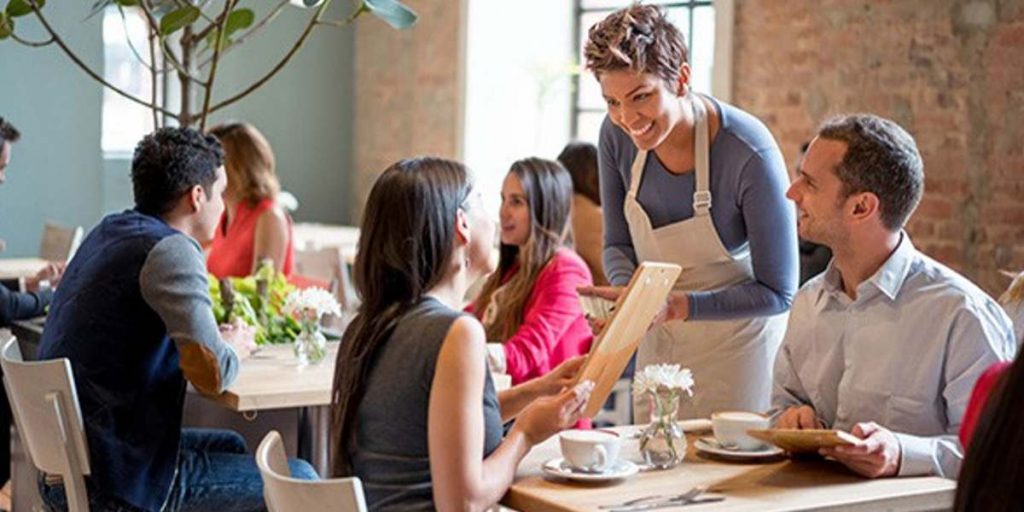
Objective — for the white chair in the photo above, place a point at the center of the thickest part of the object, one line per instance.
(59, 243)
(329, 264)
(286, 494)
(49, 421)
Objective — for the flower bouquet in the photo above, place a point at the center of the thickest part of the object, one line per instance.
(662, 442)
(308, 307)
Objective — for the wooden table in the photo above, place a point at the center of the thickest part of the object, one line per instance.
(779, 486)
(17, 268)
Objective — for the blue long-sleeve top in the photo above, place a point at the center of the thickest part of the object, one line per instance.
(748, 186)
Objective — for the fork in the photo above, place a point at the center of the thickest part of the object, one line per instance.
(686, 496)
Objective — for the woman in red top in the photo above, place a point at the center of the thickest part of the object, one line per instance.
(253, 227)
(529, 307)
(992, 476)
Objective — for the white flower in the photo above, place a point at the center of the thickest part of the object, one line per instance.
(663, 376)
(311, 302)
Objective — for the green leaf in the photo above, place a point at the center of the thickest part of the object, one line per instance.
(16, 8)
(178, 19)
(238, 19)
(6, 26)
(127, 3)
(393, 12)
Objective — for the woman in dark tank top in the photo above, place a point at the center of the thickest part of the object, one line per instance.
(414, 411)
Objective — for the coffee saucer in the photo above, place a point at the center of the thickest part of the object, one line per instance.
(709, 446)
(561, 469)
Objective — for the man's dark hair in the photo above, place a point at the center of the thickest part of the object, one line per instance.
(8, 133)
(881, 158)
(169, 162)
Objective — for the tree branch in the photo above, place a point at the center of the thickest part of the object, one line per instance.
(124, 23)
(164, 49)
(34, 44)
(74, 58)
(260, 25)
(153, 74)
(291, 53)
(219, 31)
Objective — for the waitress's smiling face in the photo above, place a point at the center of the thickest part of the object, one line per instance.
(643, 105)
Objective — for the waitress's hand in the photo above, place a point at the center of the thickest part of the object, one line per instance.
(611, 293)
(677, 307)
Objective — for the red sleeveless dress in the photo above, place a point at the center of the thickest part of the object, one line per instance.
(231, 252)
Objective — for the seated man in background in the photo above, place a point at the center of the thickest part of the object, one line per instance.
(133, 315)
(16, 306)
(887, 343)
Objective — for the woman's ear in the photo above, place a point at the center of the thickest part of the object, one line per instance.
(683, 83)
(462, 227)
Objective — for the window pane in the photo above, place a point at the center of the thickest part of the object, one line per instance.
(702, 54)
(589, 91)
(125, 122)
(589, 126)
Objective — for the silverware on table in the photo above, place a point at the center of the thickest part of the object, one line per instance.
(669, 504)
(693, 496)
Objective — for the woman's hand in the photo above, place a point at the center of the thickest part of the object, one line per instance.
(241, 336)
(561, 377)
(50, 274)
(546, 416)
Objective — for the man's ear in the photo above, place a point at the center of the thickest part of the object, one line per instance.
(461, 227)
(196, 196)
(864, 206)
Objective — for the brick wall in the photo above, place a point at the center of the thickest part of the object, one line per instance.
(409, 91)
(951, 72)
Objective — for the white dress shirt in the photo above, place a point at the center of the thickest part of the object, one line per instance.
(905, 354)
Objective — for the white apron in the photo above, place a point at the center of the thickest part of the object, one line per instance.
(731, 360)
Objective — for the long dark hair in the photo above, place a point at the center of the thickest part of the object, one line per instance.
(405, 249)
(548, 189)
(992, 476)
(580, 159)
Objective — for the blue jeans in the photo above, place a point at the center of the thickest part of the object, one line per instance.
(215, 474)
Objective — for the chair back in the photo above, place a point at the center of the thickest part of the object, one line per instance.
(329, 264)
(45, 405)
(59, 243)
(283, 493)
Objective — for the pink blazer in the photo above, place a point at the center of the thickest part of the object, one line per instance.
(554, 328)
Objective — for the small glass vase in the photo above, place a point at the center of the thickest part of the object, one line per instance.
(663, 443)
(310, 344)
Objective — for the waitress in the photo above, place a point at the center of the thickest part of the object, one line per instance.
(690, 180)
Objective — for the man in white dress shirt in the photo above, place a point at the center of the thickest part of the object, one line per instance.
(886, 343)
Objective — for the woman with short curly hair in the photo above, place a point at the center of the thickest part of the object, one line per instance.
(689, 179)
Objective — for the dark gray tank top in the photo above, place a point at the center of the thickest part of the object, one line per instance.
(389, 450)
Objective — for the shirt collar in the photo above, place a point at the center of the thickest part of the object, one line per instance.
(888, 279)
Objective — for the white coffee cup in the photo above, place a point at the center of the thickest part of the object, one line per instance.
(591, 451)
(730, 428)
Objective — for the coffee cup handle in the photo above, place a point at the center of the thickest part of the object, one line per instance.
(602, 458)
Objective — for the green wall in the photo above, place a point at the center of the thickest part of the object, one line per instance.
(58, 172)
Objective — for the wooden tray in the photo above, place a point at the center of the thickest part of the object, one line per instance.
(636, 308)
(802, 441)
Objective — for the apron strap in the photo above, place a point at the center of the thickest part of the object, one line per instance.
(636, 172)
(702, 191)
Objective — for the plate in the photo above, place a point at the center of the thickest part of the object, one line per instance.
(560, 468)
(709, 446)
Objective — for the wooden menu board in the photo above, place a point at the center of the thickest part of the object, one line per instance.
(802, 441)
(642, 299)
